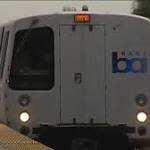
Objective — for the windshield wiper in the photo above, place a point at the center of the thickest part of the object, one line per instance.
(25, 37)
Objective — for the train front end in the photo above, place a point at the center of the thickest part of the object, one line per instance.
(80, 80)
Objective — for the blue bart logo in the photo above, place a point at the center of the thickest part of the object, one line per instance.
(128, 64)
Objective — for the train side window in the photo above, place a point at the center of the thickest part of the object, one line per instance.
(3, 52)
(1, 37)
(32, 65)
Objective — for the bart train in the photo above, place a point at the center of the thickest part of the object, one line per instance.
(77, 80)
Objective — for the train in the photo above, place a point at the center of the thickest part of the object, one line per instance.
(77, 80)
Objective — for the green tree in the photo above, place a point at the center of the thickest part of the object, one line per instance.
(141, 7)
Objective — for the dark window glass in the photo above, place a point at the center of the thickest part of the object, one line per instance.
(3, 52)
(1, 37)
(33, 60)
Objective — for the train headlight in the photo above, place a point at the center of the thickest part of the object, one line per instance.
(24, 100)
(25, 130)
(142, 117)
(24, 116)
(141, 99)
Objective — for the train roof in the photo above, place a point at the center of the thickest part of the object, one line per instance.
(70, 13)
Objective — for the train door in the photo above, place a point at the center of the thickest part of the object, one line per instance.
(82, 74)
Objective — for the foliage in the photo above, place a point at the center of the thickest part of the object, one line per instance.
(141, 7)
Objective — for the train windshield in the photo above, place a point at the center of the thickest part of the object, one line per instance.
(32, 65)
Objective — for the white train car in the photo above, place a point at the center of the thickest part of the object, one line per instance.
(77, 79)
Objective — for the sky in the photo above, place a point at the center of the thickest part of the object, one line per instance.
(11, 10)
